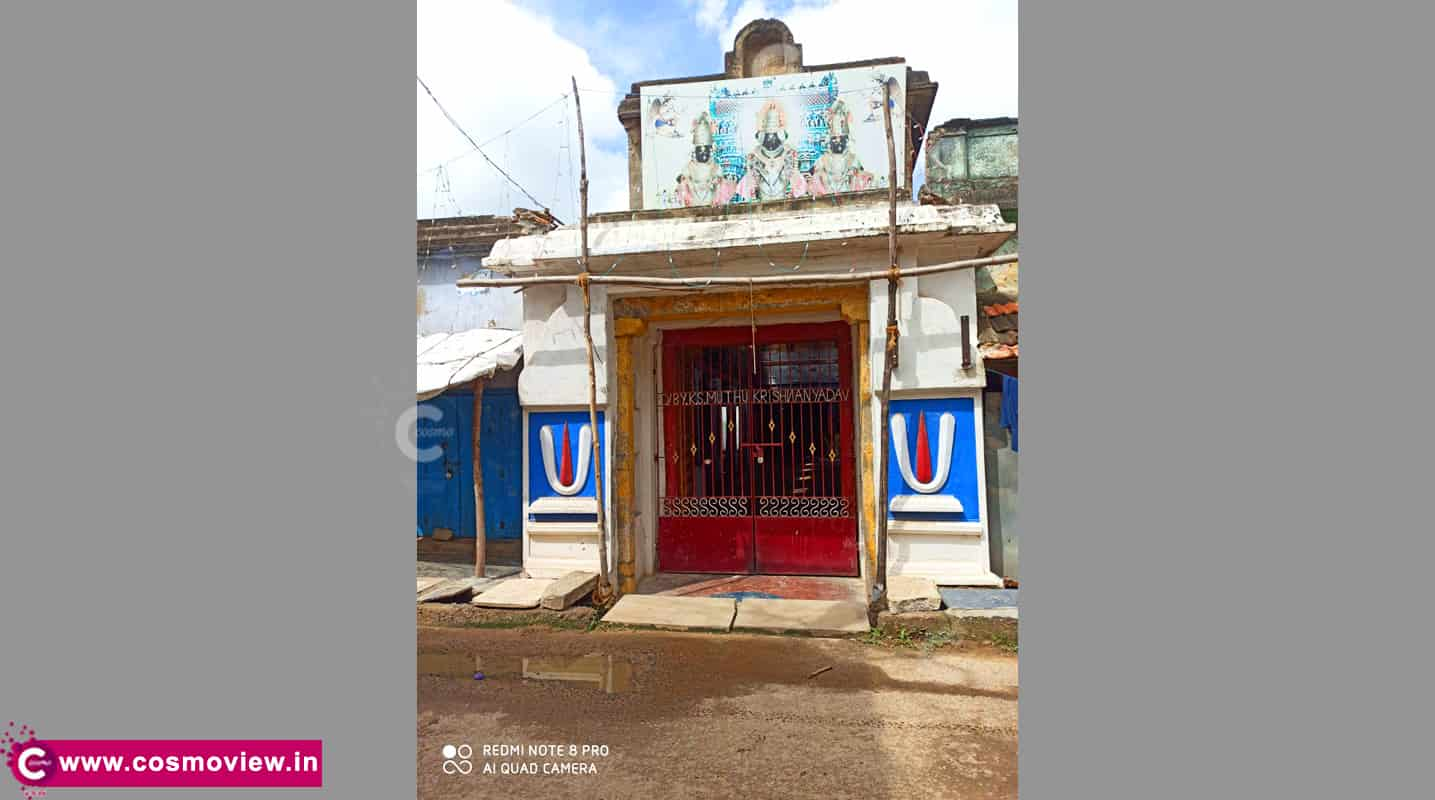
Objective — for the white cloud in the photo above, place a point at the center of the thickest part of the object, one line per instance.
(969, 47)
(709, 13)
(747, 11)
(493, 64)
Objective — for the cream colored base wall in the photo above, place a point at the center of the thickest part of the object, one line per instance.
(553, 549)
(950, 554)
(930, 309)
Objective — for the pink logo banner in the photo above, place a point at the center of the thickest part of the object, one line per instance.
(167, 763)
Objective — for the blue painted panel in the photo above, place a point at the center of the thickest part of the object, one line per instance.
(962, 480)
(502, 447)
(445, 468)
(538, 486)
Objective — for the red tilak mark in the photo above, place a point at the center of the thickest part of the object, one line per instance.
(565, 473)
(924, 452)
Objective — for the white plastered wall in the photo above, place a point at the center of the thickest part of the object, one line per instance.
(555, 356)
(555, 349)
(929, 312)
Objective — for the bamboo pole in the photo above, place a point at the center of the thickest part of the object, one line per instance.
(879, 586)
(479, 523)
(605, 587)
(728, 280)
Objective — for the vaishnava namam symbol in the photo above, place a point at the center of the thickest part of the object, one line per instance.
(923, 478)
(562, 476)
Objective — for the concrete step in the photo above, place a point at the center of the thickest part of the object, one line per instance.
(673, 613)
(569, 589)
(513, 593)
(454, 590)
(906, 593)
(816, 617)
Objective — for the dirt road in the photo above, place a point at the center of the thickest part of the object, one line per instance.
(709, 716)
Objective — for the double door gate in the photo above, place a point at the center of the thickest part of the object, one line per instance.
(758, 460)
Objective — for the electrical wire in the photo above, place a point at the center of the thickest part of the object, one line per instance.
(471, 141)
(493, 139)
(744, 97)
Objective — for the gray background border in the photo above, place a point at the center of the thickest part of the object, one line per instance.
(1217, 208)
(206, 322)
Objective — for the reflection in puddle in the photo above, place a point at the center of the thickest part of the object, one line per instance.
(451, 665)
(605, 673)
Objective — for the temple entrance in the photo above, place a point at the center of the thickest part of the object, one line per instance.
(758, 461)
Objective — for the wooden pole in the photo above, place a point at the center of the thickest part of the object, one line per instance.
(728, 280)
(879, 586)
(605, 588)
(893, 354)
(479, 524)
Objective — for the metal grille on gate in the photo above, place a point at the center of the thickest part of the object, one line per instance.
(758, 463)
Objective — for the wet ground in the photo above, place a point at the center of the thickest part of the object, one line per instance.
(700, 715)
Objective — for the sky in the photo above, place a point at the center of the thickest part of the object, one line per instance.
(500, 67)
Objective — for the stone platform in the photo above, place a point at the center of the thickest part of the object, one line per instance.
(673, 613)
(745, 587)
(815, 617)
(513, 593)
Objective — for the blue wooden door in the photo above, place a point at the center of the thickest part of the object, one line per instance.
(445, 468)
(502, 448)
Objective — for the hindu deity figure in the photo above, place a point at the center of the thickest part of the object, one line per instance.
(874, 101)
(664, 117)
(839, 169)
(772, 170)
(701, 183)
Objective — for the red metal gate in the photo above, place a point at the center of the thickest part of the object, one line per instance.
(758, 452)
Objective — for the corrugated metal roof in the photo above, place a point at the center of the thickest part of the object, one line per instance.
(451, 359)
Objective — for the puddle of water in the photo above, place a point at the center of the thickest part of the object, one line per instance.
(451, 665)
(605, 673)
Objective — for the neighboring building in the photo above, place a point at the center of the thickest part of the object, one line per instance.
(468, 340)
(740, 427)
(975, 161)
(454, 247)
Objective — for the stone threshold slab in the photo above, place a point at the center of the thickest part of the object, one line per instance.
(513, 593)
(816, 617)
(673, 613)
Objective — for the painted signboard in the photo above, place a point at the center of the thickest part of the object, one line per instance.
(751, 139)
